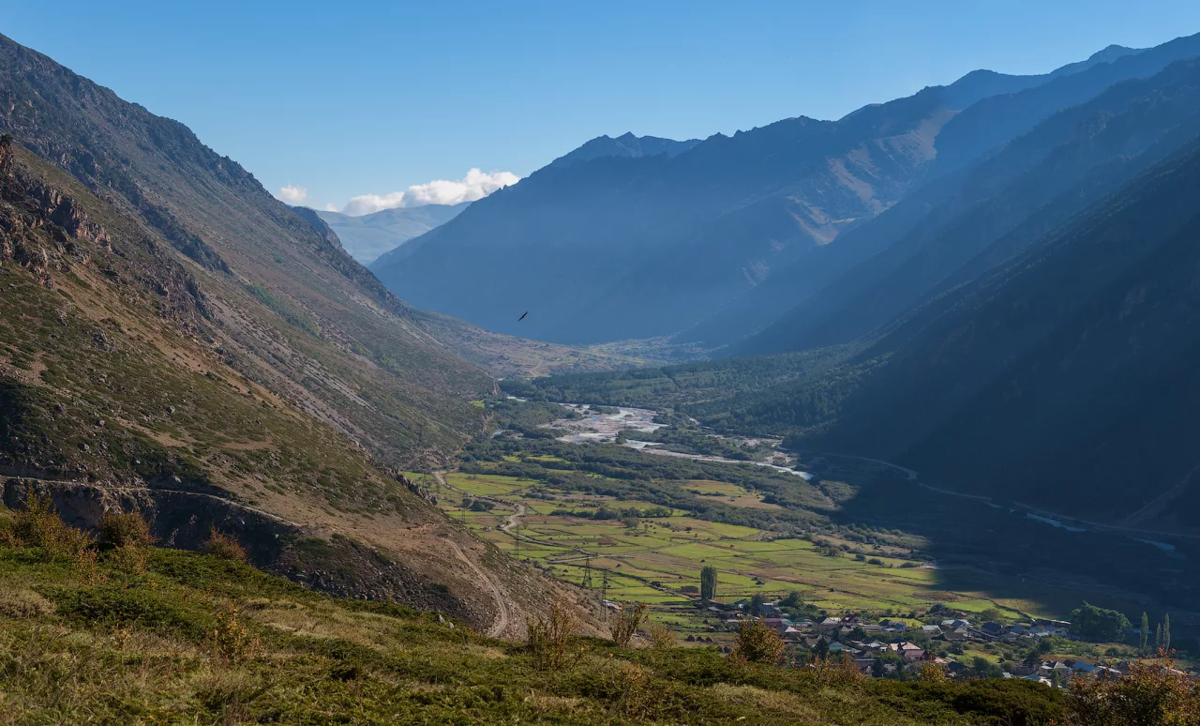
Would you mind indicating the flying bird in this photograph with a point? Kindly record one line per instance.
(522, 316)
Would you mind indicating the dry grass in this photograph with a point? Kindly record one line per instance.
(760, 699)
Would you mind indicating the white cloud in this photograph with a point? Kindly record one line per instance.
(475, 185)
(293, 194)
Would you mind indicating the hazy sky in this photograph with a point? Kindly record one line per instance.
(346, 99)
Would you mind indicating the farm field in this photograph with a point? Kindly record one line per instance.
(651, 558)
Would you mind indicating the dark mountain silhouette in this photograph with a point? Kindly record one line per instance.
(806, 292)
(1002, 204)
(626, 145)
(614, 241)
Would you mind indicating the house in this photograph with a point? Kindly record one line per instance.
(957, 636)
(776, 624)
(836, 647)
(1058, 668)
(955, 624)
(992, 629)
(829, 626)
(932, 631)
(981, 635)
(913, 656)
(1083, 668)
(792, 634)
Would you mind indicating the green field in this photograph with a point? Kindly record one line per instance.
(652, 560)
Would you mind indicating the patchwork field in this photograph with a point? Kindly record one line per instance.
(651, 558)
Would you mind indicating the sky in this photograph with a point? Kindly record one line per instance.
(359, 105)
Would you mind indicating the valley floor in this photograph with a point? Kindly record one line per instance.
(853, 536)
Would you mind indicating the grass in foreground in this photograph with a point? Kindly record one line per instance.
(181, 637)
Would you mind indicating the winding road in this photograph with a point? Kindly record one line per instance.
(503, 618)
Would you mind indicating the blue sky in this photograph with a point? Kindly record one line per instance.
(348, 99)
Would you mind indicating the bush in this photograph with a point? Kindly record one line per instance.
(40, 526)
(1148, 695)
(548, 637)
(758, 643)
(125, 530)
(627, 622)
(224, 546)
(661, 637)
(232, 640)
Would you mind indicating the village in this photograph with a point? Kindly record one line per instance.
(954, 645)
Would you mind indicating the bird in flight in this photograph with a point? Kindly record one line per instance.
(522, 316)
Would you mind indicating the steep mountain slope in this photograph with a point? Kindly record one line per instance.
(371, 236)
(173, 339)
(117, 389)
(624, 245)
(1061, 378)
(302, 317)
(806, 293)
(1033, 184)
(693, 228)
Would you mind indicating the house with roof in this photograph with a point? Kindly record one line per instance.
(839, 648)
(955, 624)
(914, 656)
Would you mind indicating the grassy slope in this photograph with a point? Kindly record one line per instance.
(298, 314)
(139, 648)
(113, 371)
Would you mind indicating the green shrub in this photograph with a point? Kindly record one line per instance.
(758, 643)
(125, 530)
(225, 546)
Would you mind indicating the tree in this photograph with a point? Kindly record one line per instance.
(991, 615)
(1158, 637)
(708, 582)
(820, 651)
(792, 600)
(1144, 635)
(1166, 633)
(980, 665)
(758, 643)
(756, 604)
(1097, 624)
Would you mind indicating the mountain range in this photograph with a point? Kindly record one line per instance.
(1016, 328)
(709, 241)
(371, 236)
